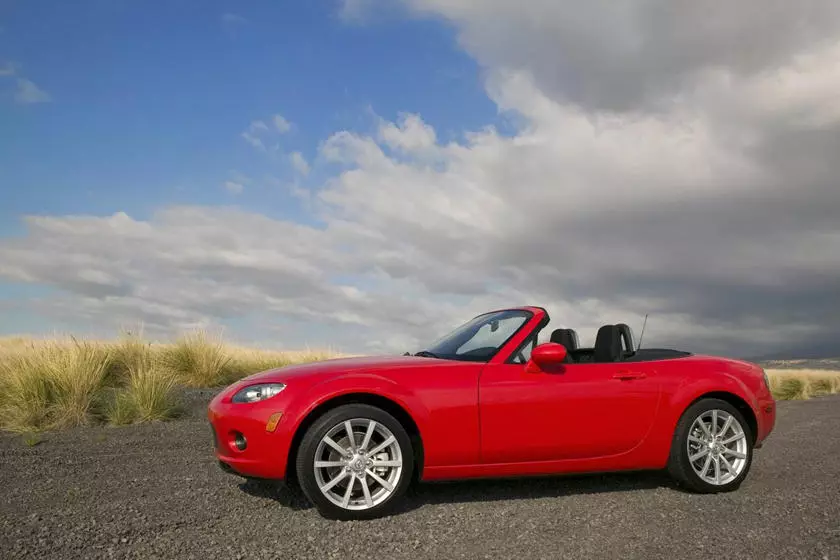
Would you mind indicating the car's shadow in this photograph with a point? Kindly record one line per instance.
(485, 490)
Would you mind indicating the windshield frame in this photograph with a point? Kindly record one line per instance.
(474, 325)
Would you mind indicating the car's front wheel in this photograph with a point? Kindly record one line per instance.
(712, 448)
(355, 462)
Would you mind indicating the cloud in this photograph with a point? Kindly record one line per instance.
(281, 124)
(354, 10)
(258, 132)
(612, 56)
(299, 163)
(652, 171)
(234, 188)
(27, 92)
(252, 134)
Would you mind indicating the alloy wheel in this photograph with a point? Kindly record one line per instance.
(358, 464)
(717, 447)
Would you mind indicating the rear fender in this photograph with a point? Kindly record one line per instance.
(692, 389)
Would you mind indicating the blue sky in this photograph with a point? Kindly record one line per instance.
(295, 176)
(148, 100)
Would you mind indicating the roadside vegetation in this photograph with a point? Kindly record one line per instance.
(61, 383)
(793, 384)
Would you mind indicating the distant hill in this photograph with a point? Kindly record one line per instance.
(827, 352)
(802, 363)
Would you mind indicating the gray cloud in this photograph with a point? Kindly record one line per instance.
(610, 55)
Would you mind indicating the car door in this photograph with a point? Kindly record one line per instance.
(580, 411)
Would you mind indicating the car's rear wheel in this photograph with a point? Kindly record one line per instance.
(355, 462)
(712, 448)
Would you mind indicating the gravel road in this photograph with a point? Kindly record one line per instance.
(155, 491)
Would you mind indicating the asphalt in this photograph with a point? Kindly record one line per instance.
(155, 491)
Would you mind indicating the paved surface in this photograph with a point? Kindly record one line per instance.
(155, 492)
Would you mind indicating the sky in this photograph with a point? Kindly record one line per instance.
(365, 175)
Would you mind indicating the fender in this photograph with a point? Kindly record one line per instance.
(692, 388)
(368, 383)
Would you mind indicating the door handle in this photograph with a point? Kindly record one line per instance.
(626, 375)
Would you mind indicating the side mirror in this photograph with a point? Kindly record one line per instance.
(546, 356)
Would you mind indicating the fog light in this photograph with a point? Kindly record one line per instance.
(239, 441)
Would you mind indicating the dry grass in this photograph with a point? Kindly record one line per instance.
(801, 384)
(59, 383)
(52, 386)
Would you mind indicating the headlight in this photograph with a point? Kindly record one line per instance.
(255, 393)
(766, 379)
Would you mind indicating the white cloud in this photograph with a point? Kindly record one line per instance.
(258, 133)
(234, 188)
(299, 163)
(27, 92)
(7, 69)
(410, 135)
(663, 174)
(281, 124)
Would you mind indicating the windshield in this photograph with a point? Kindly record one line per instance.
(480, 338)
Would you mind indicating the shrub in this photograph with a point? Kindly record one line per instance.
(56, 386)
(149, 394)
(197, 360)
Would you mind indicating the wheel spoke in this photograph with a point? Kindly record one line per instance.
(695, 439)
(714, 422)
(388, 441)
(385, 484)
(706, 465)
(366, 490)
(327, 464)
(729, 466)
(702, 453)
(350, 437)
(725, 427)
(704, 427)
(733, 439)
(334, 481)
(368, 435)
(335, 446)
(734, 453)
(717, 470)
(389, 463)
(347, 493)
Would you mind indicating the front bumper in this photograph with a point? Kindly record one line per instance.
(766, 419)
(264, 453)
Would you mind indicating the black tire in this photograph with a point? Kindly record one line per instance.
(679, 465)
(309, 446)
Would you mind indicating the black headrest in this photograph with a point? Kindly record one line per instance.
(607, 344)
(626, 337)
(566, 337)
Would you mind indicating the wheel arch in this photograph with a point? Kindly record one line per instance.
(388, 405)
(738, 402)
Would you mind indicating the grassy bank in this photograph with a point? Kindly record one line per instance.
(61, 383)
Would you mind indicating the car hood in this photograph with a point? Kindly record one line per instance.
(367, 364)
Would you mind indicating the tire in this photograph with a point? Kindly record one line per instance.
(356, 469)
(738, 453)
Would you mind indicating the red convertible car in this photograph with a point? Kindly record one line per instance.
(487, 400)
